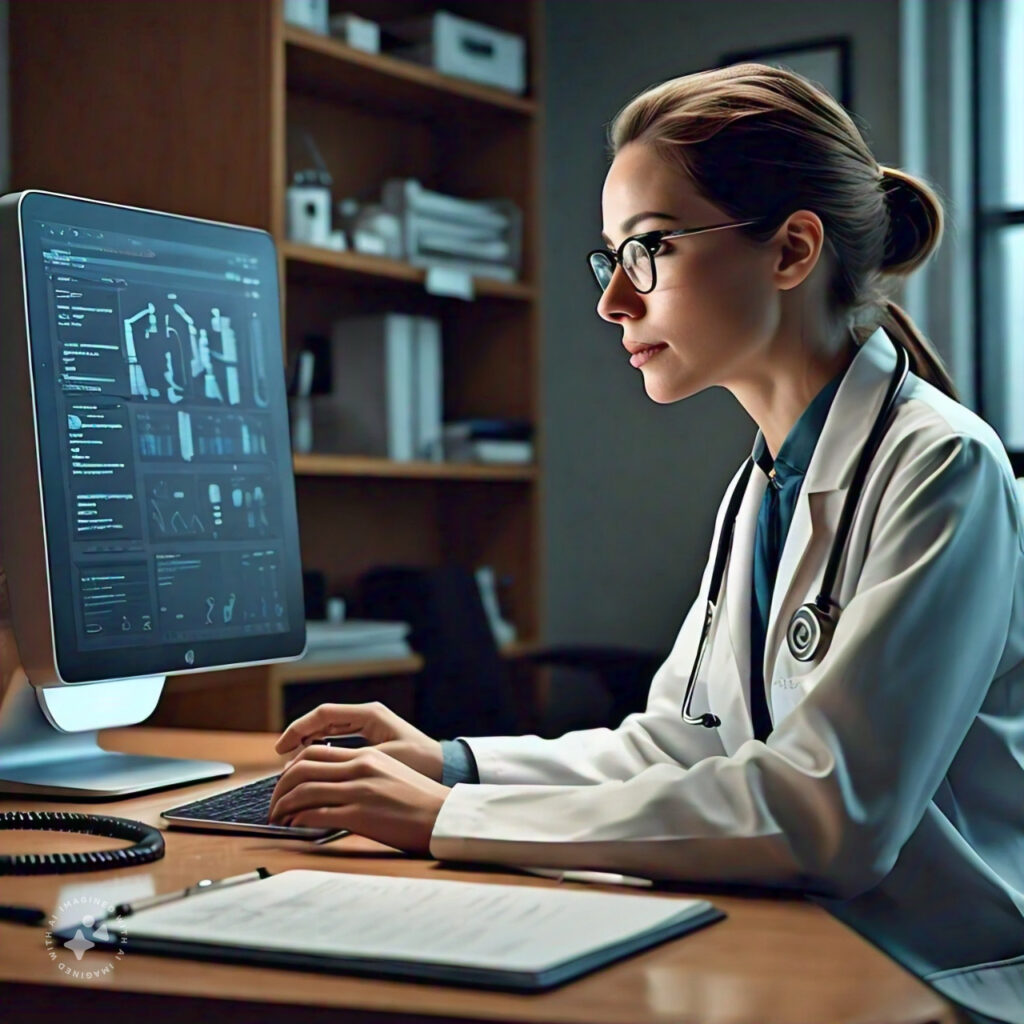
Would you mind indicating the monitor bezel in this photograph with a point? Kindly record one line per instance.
(72, 663)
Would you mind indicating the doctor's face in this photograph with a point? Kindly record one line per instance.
(713, 305)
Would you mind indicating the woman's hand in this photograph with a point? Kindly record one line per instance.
(378, 724)
(365, 791)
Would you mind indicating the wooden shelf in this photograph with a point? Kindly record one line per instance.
(324, 66)
(309, 671)
(373, 117)
(313, 464)
(312, 263)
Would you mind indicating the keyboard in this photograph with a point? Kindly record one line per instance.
(242, 809)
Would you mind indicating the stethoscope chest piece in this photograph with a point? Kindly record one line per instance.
(810, 632)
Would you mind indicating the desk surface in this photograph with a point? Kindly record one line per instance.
(773, 960)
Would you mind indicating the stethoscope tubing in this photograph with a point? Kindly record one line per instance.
(818, 619)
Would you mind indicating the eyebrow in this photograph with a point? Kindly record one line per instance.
(630, 223)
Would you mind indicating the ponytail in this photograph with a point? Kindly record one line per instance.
(925, 362)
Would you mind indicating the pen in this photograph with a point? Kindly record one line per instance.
(21, 915)
(594, 877)
(126, 909)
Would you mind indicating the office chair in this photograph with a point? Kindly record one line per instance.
(465, 687)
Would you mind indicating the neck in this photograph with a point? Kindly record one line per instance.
(776, 391)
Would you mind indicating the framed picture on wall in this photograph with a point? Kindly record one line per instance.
(824, 61)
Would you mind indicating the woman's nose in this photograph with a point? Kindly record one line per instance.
(620, 299)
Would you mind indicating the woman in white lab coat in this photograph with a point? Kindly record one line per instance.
(883, 775)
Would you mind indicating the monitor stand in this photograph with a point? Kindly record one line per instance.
(39, 758)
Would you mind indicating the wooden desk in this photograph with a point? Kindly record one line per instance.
(779, 960)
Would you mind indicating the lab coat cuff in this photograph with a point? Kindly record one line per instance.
(459, 819)
(501, 760)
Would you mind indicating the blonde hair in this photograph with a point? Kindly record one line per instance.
(762, 142)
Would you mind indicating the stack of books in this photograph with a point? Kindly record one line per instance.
(356, 640)
(386, 386)
(488, 440)
(480, 237)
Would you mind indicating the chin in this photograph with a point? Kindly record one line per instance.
(665, 392)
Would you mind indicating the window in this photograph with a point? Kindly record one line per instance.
(998, 36)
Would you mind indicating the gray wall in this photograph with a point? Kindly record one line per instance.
(632, 487)
(5, 145)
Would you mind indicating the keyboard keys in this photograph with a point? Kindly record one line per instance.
(246, 805)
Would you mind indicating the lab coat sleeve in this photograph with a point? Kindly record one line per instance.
(653, 736)
(828, 801)
(591, 756)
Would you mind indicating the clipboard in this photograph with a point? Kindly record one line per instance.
(485, 935)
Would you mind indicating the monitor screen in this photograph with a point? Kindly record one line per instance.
(162, 427)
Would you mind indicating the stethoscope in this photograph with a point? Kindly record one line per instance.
(812, 625)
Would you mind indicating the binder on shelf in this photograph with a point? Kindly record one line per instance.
(387, 386)
(430, 399)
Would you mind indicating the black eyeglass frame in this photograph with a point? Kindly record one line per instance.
(651, 241)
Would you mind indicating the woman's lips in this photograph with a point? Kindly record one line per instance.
(639, 358)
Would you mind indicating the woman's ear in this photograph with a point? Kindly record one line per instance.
(799, 241)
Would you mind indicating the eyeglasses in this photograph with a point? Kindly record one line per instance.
(636, 256)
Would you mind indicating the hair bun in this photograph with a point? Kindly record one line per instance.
(915, 221)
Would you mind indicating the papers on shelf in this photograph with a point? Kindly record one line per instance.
(353, 633)
(356, 640)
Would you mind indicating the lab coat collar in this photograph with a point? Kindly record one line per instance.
(817, 510)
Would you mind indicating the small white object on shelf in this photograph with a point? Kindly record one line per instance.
(456, 284)
(369, 242)
(308, 14)
(308, 213)
(378, 230)
(359, 33)
(337, 241)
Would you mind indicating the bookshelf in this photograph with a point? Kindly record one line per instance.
(199, 108)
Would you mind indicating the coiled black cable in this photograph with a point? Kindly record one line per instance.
(148, 842)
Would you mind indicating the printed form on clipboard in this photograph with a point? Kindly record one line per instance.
(518, 937)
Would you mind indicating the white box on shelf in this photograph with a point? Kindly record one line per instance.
(359, 33)
(463, 48)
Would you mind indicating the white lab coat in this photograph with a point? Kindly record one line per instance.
(891, 789)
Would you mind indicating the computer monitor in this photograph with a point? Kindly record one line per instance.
(147, 503)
